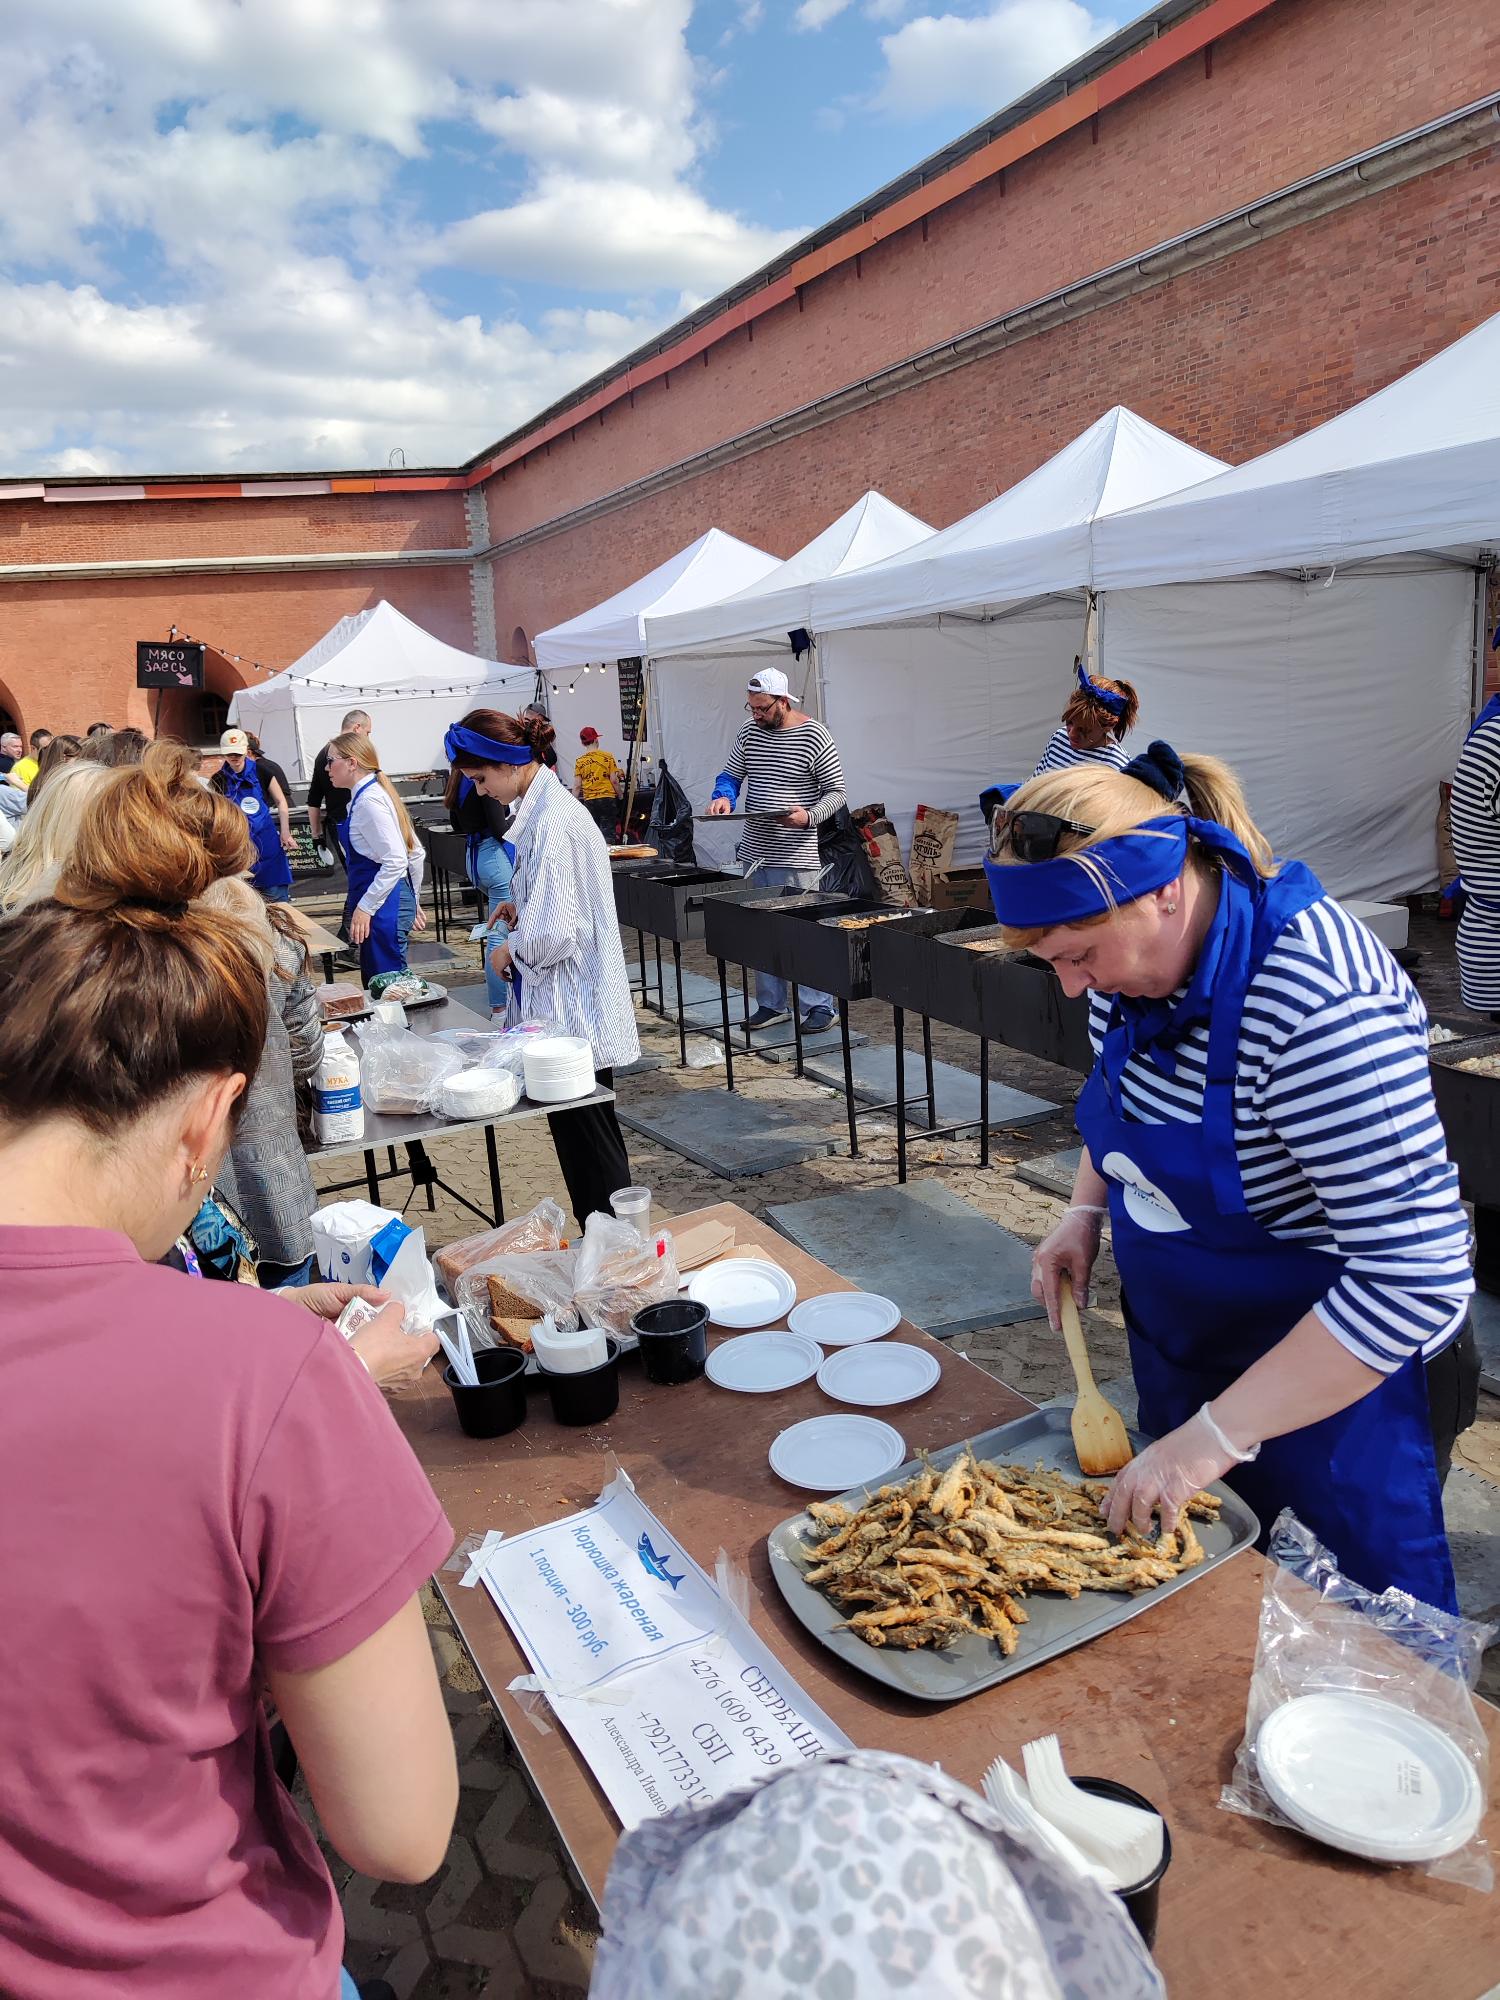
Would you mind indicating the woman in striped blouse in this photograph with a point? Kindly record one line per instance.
(1259, 1128)
(1099, 716)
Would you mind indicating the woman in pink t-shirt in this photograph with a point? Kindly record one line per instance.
(202, 1496)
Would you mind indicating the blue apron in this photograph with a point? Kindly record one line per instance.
(1207, 1290)
(271, 868)
(382, 950)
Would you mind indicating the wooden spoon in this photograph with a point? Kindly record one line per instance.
(1098, 1428)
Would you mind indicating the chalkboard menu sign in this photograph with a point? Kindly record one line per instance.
(168, 663)
(632, 688)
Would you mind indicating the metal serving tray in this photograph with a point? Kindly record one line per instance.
(1054, 1624)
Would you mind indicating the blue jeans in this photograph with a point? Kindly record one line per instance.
(770, 991)
(492, 866)
(406, 916)
(347, 1988)
(279, 892)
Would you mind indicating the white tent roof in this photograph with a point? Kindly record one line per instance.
(764, 612)
(1414, 467)
(702, 573)
(1035, 538)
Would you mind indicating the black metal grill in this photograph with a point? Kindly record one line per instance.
(1469, 1105)
(1005, 997)
(777, 931)
(671, 906)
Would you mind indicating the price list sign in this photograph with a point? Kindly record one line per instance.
(632, 693)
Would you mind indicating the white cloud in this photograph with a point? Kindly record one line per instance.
(981, 61)
(216, 254)
(813, 14)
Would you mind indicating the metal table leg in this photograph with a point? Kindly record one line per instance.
(681, 1015)
(927, 1065)
(661, 991)
(745, 1016)
(724, 1009)
(797, 1026)
(497, 1197)
(848, 1079)
(898, 1026)
(640, 943)
(984, 1101)
(372, 1177)
(328, 967)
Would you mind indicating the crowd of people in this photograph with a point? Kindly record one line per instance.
(245, 1530)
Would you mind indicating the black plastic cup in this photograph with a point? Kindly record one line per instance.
(1141, 1898)
(498, 1403)
(674, 1340)
(591, 1395)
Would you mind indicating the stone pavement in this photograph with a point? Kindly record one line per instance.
(503, 1918)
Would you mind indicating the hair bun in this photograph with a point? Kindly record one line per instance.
(1160, 767)
(538, 732)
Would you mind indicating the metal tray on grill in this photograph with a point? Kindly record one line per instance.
(1054, 1624)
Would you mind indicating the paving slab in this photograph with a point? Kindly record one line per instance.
(780, 1046)
(642, 1066)
(1053, 1173)
(1469, 1506)
(947, 1266)
(700, 996)
(1484, 1308)
(957, 1092)
(735, 1136)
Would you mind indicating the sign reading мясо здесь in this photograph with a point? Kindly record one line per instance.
(168, 663)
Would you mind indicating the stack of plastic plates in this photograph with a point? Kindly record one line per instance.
(1362, 1774)
(558, 1067)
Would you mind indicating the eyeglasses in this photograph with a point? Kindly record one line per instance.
(1030, 836)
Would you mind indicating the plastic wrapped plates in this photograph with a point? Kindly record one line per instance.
(557, 1068)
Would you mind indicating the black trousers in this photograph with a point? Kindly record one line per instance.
(1452, 1395)
(591, 1152)
(605, 814)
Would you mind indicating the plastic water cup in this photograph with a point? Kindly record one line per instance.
(633, 1205)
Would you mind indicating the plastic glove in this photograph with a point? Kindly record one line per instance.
(394, 1357)
(1165, 1477)
(328, 1300)
(1068, 1251)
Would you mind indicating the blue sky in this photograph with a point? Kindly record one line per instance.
(245, 235)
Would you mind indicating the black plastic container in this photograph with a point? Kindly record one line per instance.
(674, 1340)
(498, 1404)
(1142, 1898)
(591, 1395)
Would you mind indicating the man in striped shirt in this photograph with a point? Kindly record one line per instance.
(792, 779)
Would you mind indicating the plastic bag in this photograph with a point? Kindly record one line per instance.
(846, 867)
(670, 827)
(540, 1228)
(400, 1071)
(1322, 1633)
(473, 1044)
(617, 1273)
(525, 1287)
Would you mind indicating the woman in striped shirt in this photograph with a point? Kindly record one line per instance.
(1100, 714)
(1260, 1129)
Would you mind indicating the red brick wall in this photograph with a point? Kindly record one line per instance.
(51, 531)
(67, 650)
(1234, 357)
(1298, 88)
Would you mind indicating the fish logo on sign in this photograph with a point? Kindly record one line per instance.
(655, 1565)
(1145, 1203)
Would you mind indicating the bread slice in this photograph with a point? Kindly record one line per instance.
(506, 1304)
(516, 1332)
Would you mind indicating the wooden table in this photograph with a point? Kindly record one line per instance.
(326, 943)
(392, 1129)
(1248, 1911)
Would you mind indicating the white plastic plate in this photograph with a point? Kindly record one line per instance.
(760, 1363)
(830, 1454)
(875, 1377)
(1362, 1774)
(743, 1291)
(842, 1319)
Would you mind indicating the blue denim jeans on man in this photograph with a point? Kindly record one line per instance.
(770, 991)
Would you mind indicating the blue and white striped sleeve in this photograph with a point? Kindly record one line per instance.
(547, 925)
(1349, 1096)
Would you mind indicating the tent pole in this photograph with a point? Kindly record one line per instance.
(1481, 635)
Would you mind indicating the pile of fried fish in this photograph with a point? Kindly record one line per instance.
(953, 1553)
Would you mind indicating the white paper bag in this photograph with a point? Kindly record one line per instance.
(342, 1235)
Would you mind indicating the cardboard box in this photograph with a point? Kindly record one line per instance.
(962, 889)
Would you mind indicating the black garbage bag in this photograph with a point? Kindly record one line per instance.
(670, 828)
(846, 866)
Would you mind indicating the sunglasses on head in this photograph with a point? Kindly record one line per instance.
(1030, 836)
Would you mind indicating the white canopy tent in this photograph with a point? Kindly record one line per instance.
(567, 655)
(702, 658)
(411, 685)
(1341, 708)
(1415, 467)
(945, 667)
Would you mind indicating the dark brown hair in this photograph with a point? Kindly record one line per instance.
(121, 987)
(120, 746)
(61, 750)
(531, 728)
(1083, 708)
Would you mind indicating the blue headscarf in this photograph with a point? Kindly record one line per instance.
(1039, 895)
(1106, 697)
(461, 742)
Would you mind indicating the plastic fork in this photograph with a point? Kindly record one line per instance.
(1005, 1790)
(1124, 1840)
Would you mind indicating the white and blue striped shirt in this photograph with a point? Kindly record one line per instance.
(1336, 1132)
(1060, 755)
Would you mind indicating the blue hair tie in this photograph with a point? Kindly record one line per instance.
(1040, 895)
(461, 742)
(1106, 697)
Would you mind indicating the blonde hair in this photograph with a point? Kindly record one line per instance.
(360, 750)
(1112, 803)
(48, 834)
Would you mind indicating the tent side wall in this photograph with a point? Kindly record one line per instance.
(1341, 709)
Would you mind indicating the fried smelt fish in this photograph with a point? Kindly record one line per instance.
(952, 1554)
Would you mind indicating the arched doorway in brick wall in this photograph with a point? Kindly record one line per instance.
(519, 654)
(10, 712)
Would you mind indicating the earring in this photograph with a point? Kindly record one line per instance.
(200, 1173)
(1171, 909)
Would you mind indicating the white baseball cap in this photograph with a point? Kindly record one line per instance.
(235, 743)
(770, 680)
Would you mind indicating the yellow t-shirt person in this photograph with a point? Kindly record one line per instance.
(23, 771)
(596, 771)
